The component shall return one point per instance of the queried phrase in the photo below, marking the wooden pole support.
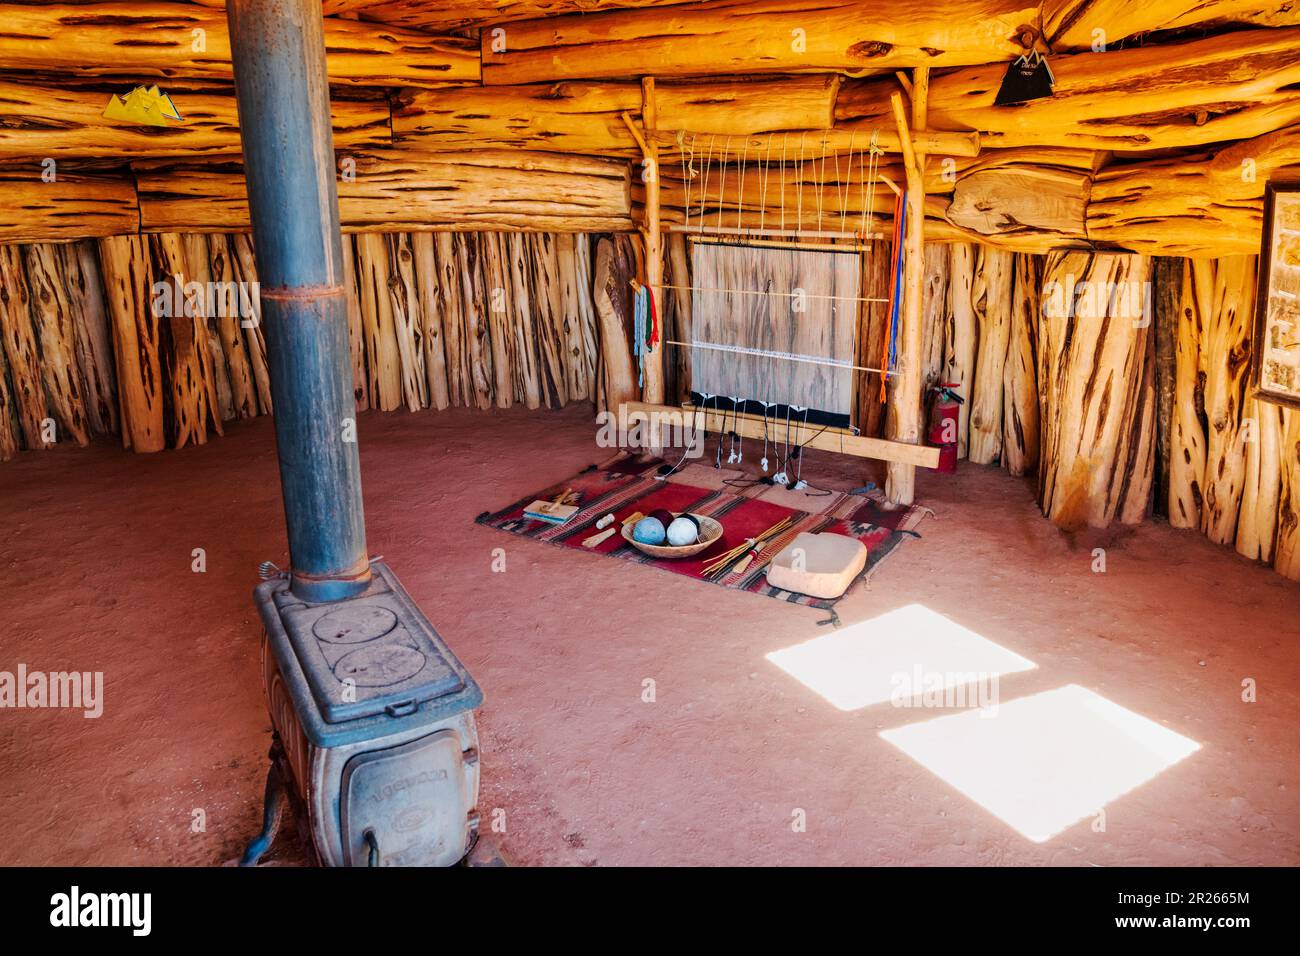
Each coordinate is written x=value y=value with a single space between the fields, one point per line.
x=653 y=389
x=903 y=421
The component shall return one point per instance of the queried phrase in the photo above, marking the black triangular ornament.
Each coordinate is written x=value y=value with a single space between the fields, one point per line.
x=1028 y=77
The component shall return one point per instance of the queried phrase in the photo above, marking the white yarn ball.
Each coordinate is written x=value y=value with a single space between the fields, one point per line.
x=682 y=532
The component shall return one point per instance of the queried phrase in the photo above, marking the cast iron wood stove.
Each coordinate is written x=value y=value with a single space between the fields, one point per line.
x=374 y=728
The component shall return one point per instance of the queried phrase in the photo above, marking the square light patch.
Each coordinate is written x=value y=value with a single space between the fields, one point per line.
x=1044 y=762
x=904 y=651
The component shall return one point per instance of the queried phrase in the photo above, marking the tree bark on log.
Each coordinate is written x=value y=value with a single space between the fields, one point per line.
x=197 y=262
x=1186 y=431
x=124 y=263
x=57 y=333
x=613 y=300
x=526 y=372
x=9 y=437
x=222 y=270
x=478 y=346
x=500 y=315
x=94 y=339
x=356 y=325
x=254 y=340
x=1167 y=284
x=189 y=405
x=1097 y=391
x=21 y=347
x=575 y=363
x=433 y=298
x=1225 y=343
x=408 y=324
x=549 y=308
x=991 y=300
x=935 y=314
x=382 y=357
x=1020 y=398
x=959 y=349
x=1286 y=555
x=459 y=387
x=1262 y=481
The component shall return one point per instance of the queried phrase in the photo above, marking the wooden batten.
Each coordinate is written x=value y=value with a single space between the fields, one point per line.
x=162 y=42
x=755 y=36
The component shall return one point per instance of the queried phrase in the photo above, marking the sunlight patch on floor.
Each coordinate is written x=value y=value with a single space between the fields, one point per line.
x=872 y=661
x=1044 y=762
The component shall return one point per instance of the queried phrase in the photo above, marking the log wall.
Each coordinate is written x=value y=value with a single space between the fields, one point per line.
x=156 y=339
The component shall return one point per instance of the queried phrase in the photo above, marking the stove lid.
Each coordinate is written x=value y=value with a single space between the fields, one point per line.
x=374 y=654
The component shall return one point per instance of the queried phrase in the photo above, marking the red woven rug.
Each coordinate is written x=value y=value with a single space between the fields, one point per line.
x=629 y=485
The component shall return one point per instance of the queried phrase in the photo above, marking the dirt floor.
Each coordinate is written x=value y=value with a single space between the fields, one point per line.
x=733 y=755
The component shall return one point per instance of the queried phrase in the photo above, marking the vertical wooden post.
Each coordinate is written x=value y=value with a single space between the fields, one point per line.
x=903 y=422
x=653 y=390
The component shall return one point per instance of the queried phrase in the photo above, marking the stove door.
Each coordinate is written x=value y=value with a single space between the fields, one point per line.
x=411 y=800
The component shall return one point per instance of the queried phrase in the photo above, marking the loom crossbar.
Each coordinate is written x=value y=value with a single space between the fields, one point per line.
x=839 y=440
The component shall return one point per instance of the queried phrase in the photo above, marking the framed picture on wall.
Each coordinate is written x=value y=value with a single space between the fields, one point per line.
x=1275 y=350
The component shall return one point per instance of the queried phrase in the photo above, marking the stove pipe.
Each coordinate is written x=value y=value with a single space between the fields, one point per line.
x=278 y=49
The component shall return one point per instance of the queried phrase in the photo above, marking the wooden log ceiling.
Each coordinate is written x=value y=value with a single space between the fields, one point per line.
x=1151 y=100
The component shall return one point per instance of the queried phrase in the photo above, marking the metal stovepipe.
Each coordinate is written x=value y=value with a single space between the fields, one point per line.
x=278 y=49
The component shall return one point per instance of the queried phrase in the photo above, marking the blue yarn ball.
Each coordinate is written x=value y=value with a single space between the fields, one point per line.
x=683 y=531
x=649 y=531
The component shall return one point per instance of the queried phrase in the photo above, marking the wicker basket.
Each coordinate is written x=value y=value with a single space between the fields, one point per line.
x=710 y=531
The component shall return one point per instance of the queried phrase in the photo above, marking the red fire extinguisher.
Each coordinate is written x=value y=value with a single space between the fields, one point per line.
x=944 y=416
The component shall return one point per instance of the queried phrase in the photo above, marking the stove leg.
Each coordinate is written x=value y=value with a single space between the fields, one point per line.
x=274 y=803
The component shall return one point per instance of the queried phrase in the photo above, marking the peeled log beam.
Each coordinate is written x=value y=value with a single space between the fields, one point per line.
x=41 y=120
x=458 y=14
x=587 y=117
x=1097 y=391
x=21 y=348
x=1071 y=24
x=405 y=192
x=1205 y=205
x=124 y=261
x=747 y=36
x=139 y=40
x=1011 y=201
x=70 y=206
x=1233 y=86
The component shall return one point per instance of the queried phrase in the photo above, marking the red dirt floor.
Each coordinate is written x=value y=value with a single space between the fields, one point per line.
x=95 y=574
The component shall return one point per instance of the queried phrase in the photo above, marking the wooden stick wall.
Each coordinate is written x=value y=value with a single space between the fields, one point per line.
x=100 y=337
